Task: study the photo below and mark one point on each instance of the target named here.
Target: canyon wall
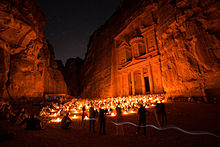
(146, 46)
(28, 68)
(188, 40)
(97, 67)
(177, 50)
(72, 76)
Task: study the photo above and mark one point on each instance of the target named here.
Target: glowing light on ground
(129, 105)
(56, 120)
(112, 114)
(53, 115)
(75, 117)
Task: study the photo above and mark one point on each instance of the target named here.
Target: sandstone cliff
(72, 75)
(186, 41)
(27, 66)
(97, 67)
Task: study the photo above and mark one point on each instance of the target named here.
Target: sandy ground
(191, 117)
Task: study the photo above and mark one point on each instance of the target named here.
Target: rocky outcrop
(60, 66)
(99, 61)
(189, 46)
(72, 75)
(28, 64)
(186, 43)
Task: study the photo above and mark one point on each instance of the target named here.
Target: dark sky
(70, 23)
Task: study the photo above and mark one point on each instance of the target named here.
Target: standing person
(119, 119)
(66, 121)
(102, 119)
(92, 119)
(161, 112)
(83, 114)
(142, 119)
(157, 113)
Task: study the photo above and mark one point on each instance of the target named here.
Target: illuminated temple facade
(150, 46)
(138, 63)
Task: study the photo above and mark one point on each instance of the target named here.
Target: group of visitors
(101, 115)
(93, 114)
(17, 115)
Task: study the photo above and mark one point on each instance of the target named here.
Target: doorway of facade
(147, 84)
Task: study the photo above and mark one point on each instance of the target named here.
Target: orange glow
(125, 112)
(112, 114)
(53, 115)
(129, 105)
(74, 117)
(132, 111)
(56, 120)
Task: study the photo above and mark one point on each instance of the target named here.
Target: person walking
(92, 115)
(83, 115)
(119, 118)
(142, 119)
(102, 119)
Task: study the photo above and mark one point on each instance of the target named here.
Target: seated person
(32, 123)
(4, 134)
(66, 121)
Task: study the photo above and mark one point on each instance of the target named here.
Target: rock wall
(27, 60)
(72, 75)
(97, 67)
(187, 38)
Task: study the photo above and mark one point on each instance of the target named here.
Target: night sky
(70, 23)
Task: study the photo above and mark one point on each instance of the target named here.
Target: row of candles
(129, 105)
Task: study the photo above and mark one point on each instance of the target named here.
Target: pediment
(124, 43)
(133, 62)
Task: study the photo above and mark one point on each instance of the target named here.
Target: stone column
(126, 84)
(146, 44)
(133, 84)
(142, 81)
(150, 75)
(121, 79)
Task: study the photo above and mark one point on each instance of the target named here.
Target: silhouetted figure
(83, 114)
(142, 119)
(32, 123)
(102, 119)
(66, 121)
(161, 112)
(119, 119)
(92, 115)
(12, 117)
(21, 115)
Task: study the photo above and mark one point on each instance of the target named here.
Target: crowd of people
(15, 114)
(127, 105)
(95, 111)
(160, 116)
(98, 109)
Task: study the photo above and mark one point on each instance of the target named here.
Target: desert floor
(188, 116)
